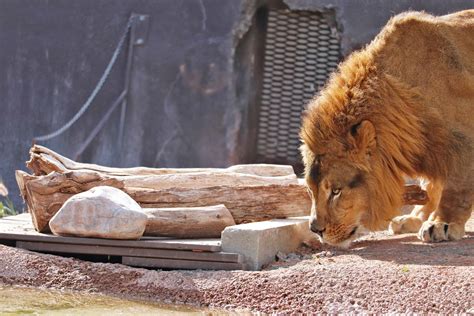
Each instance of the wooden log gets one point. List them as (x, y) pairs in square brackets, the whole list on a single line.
[(415, 195), (43, 161), (246, 204), (188, 222), (202, 180), (252, 199)]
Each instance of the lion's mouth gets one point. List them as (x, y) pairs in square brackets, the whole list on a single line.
[(343, 243), (352, 233)]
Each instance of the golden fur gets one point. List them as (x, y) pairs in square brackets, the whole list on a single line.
[(401, 107)]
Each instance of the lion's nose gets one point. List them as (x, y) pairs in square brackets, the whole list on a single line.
[(318, 231), (317, 227)]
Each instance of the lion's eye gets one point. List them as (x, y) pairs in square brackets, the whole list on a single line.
[(336, 192)]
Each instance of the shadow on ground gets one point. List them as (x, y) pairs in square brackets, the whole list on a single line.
[(408, 249), (404, 249)]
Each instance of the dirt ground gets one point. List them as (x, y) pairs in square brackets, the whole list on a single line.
[(378, 274)]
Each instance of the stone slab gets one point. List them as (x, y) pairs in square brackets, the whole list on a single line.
[(258, 243)]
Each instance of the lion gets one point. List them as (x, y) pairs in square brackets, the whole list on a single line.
[(402, 107)]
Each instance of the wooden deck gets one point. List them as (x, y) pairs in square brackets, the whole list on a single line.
[(151, 252)]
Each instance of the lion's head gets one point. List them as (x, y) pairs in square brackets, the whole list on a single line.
[(340, 182), (352, 133)]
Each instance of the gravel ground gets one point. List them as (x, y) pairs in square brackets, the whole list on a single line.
[(379, 274)]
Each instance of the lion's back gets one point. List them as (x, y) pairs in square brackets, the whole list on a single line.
[(436, 56)]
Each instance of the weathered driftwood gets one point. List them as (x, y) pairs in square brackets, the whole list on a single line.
[(202, 180), (246, 204), (415, 195), (43, 161), (188, 222), (256, 198)]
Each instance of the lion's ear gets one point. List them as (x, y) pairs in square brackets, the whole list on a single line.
[(363, 134)]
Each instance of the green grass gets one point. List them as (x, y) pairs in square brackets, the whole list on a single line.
[(7, 208)]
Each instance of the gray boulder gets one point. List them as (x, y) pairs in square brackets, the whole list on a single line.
[(103, 212)]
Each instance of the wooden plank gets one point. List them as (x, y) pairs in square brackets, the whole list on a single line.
[(20, 228), (153, 252), (194, 245), (132, 252), (8, 242), (180, 264)]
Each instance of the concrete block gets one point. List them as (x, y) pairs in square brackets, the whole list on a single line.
[(259, 242)]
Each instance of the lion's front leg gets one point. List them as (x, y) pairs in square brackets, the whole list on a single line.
[(405, 224), (412, 222), (434, 231), (454, 210)]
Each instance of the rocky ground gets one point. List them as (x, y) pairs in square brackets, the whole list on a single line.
[(379, 274)]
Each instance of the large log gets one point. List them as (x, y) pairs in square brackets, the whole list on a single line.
[(415, 195), (43, 161), (256, 198), (246, 204), (202, 180), (188, 222)]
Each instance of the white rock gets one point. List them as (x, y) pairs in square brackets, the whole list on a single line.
[(103, 212)]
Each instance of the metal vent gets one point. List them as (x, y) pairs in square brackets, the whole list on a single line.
[(300, 53)]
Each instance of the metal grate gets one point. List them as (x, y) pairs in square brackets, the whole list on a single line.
[(300, 53)]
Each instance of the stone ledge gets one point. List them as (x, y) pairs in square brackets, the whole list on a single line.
[(259, 242)]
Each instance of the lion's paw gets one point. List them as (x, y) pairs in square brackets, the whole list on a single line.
[(434, 231), (405, 224)]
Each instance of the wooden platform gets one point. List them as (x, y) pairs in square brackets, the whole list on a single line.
[(152, 252)]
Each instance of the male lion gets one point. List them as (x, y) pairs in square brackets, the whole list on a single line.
[(401, 107)]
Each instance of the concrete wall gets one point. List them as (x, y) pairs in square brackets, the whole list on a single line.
[(360, 20), (181, 108), (194, 84)]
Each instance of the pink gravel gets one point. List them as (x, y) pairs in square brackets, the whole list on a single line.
[(380, 274)]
